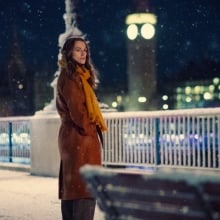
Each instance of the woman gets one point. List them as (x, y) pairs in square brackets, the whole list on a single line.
[(81, 121)]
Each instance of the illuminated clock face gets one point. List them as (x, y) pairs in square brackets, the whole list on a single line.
[(132, 31), (147, 31)]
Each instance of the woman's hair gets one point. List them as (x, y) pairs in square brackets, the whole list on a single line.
[(69, 65)]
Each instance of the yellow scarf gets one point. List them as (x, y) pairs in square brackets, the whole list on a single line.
[(91, 101)]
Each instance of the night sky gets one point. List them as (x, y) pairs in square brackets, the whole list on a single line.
[(186, 30)]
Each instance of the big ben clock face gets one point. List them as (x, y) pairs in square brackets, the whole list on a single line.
[(132, 31), (147, 31)]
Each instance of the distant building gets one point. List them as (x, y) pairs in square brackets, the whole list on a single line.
[(197, 85), (141, 55), (192, 94)]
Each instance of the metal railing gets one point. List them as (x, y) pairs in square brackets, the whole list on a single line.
[(15, 139), (177, 138)]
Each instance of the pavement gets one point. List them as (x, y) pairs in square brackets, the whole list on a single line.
[(27, 197)]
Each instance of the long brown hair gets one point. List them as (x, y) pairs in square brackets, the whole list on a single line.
[(68, 65)]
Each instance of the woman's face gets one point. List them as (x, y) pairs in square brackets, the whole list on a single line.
[(79, 52)]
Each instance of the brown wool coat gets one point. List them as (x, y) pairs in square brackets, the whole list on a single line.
[(78, 140)]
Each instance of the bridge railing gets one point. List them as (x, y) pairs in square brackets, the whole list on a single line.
[(175, 138), (15, 139)]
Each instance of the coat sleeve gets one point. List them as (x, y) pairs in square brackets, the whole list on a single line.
[(75, 100)]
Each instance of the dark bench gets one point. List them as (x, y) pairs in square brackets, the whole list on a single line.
[(164, 195)]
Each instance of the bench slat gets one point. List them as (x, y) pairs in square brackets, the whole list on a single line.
[(141, 196)]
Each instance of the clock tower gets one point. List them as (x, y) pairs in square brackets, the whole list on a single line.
[(141, 54)]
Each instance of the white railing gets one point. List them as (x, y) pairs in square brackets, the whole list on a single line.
[(15, 139), (178, 138)]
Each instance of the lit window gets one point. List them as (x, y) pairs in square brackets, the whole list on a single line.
[(197, 89), (202, 89), (165, 106), (188, 90), (197, 97), (188, 99), (119, 98), (178, 97), (208, 96), (216, 81), (211, 88), (142, 99), (178, 90), (114, 104), (165, 97)]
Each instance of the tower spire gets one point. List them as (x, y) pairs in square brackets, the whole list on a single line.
[(141, 68), (141, 6)]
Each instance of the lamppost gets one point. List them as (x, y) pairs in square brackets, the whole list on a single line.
[(141, 68)]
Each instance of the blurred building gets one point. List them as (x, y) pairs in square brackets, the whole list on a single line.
[(192, 94), (196, 85)]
